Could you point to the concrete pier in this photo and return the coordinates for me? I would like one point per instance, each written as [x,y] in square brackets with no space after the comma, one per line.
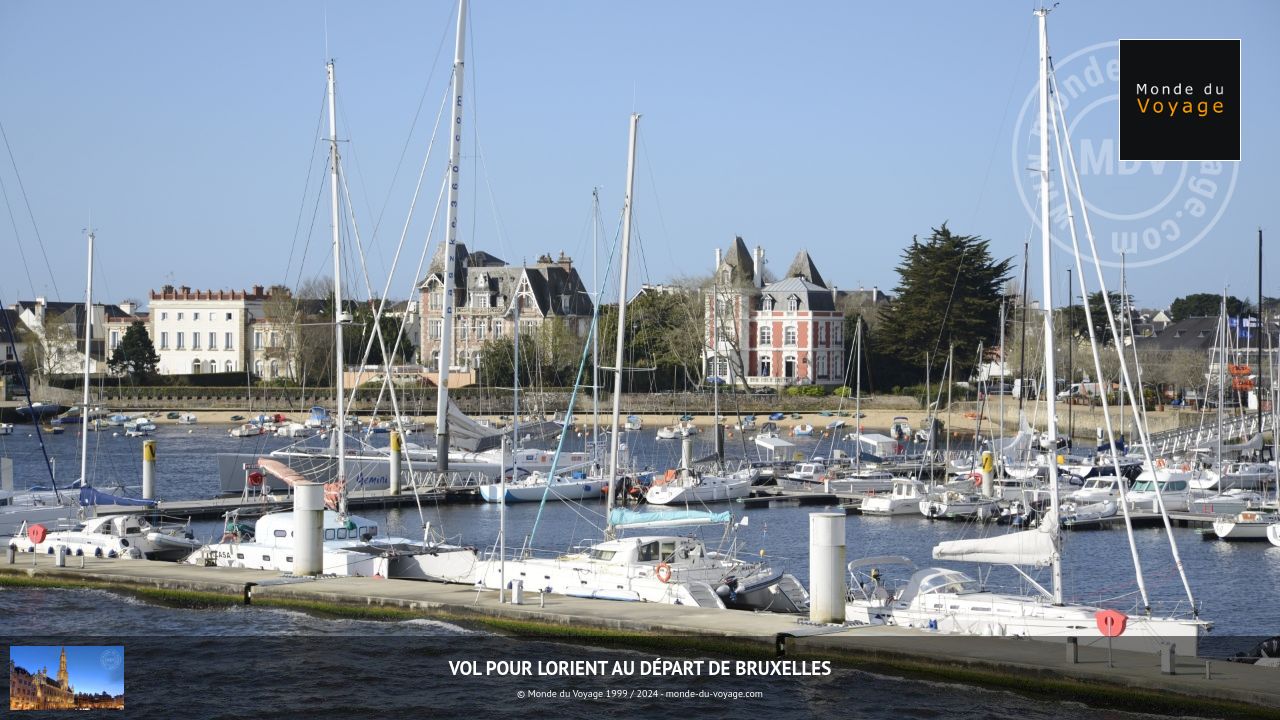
[1028,666]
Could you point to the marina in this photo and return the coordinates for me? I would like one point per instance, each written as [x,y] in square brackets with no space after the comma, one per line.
[651,444]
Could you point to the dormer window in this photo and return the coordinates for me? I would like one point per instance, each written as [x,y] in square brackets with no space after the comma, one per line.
[564,302]
[793,303]
[766,304]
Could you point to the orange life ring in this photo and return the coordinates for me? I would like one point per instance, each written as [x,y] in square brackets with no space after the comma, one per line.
[1160,462]
[1185,467]
[255,479]
[977,479]
[663,572]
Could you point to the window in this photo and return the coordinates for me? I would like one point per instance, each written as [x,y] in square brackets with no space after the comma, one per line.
[164,341]
[115,339]
[793,303]
[329,534]
[257,368]
[229,367]
[497,328]
[195,316]
[179,316]
[195,367]
[342,533]
[766,303]
[789,336]
[789,367]
[275,340]
[164,316]
[213,341]
[275,368]
[228,316]
[480,299]
[213,366]
[766,367]
[195,341]
[257,341]
[179,346]
[433,329]
[462,330]
[280,533]
[226,341]
[766,334]
[839,332]
[822,365]
[435,300]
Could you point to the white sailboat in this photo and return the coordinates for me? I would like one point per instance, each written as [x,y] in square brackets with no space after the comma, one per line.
[649,568]
[111,536]
[948,601]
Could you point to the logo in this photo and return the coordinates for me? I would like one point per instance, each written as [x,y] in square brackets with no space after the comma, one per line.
[111,659]
[1146,211]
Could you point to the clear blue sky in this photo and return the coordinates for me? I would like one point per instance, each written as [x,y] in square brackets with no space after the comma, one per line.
[186,131]
[90,668]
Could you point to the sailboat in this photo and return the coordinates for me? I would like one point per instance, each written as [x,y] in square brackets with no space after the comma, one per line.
[672,569]
[949,601]
[351,544]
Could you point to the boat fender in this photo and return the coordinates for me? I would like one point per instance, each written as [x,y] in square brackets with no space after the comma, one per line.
[663,572]
[49,550]
[112,554]
[97,552]
[79,552]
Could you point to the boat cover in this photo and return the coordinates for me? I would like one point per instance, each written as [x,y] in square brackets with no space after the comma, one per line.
[91,496]
[1027,547]
[623,518]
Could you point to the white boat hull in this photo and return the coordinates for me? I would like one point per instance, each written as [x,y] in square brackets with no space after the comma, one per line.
[534,492]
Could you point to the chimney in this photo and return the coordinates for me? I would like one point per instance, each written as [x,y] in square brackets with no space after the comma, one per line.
[835,295]
[185,289]
[257,290]
[759,267]
[875,294]
[718,260]
[128,307]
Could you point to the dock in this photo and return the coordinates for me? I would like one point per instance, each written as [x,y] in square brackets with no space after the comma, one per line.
[262,504]
[1198,686]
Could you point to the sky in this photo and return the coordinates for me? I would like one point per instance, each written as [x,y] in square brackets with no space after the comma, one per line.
[191,136]
[90,668]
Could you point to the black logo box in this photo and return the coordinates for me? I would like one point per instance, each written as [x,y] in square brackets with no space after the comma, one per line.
[1157,73]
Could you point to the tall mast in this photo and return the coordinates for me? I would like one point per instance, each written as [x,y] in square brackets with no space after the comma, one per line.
[88,340]
[451,247]
[1046,243]
[1071,346]
[595,330]
[338,318]
[857,392]
[1257,386]
[627,203]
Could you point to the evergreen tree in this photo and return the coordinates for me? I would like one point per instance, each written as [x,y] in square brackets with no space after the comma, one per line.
[949,291]
[135,356]
[1206,305]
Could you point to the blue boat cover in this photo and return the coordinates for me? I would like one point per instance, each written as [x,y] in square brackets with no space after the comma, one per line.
[92,496]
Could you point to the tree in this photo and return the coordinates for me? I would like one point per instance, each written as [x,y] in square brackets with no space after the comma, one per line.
[1205,305]
[51,349]
[135,356]
[1073,317]
[949,291]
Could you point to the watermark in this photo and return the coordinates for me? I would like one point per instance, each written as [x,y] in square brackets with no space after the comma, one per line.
[1147,211]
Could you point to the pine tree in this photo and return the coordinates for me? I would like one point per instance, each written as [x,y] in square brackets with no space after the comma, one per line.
[135,355]
[949,291]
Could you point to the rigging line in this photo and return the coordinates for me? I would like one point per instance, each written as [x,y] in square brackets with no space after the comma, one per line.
[417,113]
[34,226]
[364,185]
[302,201]
[1013,82]
[17,236]
[1124,369]
[306,247]
[657,205]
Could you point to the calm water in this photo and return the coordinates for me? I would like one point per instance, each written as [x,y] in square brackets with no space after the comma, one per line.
[1236,583]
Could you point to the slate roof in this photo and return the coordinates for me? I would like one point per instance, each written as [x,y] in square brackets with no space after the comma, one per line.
[738,262]
[813,297]
[804,267]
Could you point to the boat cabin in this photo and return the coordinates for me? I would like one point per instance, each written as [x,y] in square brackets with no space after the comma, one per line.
[277,529]
[648,550]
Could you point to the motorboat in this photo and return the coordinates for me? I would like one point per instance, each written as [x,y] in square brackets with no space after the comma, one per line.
[294,430]
[246,430]
[1273,533]
[958,501]
[802,430]
[746,424]
[187,419]
[903,500]
[1099,488]
[682,429]
[691,486]
[1076,514]
[1173,487]
[1246,476]
[124,536]
[633,422]
[1231,502]
[351,546]
[900,430]
[6,428]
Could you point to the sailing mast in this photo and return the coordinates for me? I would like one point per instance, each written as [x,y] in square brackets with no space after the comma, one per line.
[338,316]
[1257,387]
[1046,250]
[622,319]
[451,248]
[88,339]
[857,393]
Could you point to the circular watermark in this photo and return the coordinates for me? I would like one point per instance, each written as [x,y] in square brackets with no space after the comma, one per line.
[1146,211]
[111,659]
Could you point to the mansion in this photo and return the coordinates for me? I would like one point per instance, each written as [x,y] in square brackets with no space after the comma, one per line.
[788,332]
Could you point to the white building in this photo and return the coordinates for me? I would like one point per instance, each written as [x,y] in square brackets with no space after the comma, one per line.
[204,331]
[58,329]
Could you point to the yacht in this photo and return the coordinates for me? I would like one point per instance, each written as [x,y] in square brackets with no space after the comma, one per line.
[1245,525]
[904,500]
[125,536]
[692,486]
